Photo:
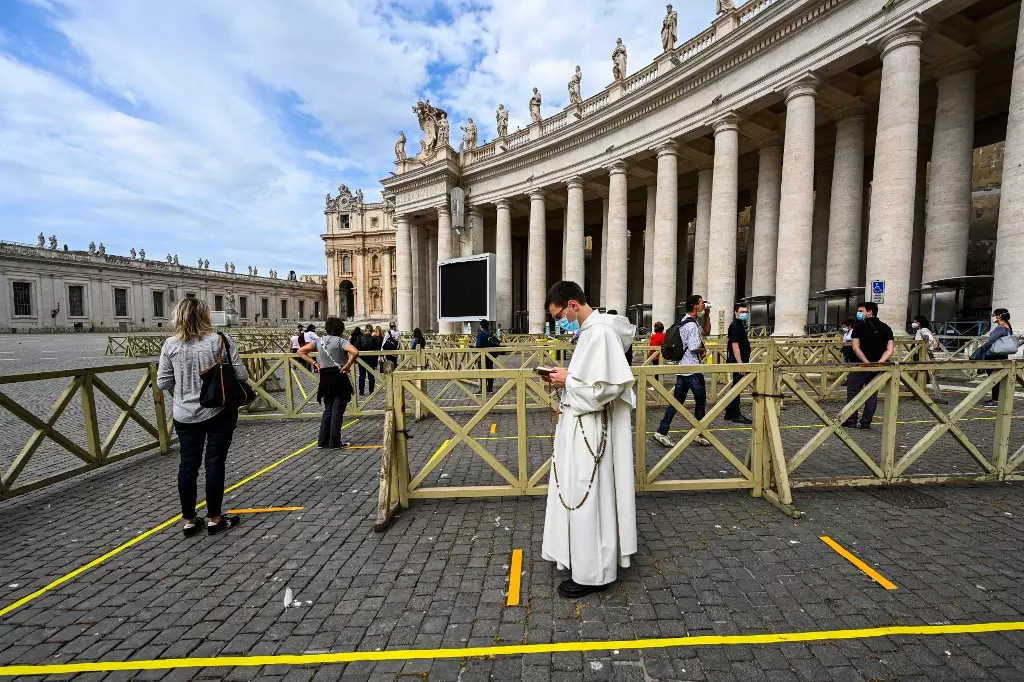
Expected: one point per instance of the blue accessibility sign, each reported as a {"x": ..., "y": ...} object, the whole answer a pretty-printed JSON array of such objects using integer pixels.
[{"x": 878, "y": 291}]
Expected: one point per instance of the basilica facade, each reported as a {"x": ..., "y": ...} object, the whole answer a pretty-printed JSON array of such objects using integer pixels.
[{"x": 799, "y": 154}]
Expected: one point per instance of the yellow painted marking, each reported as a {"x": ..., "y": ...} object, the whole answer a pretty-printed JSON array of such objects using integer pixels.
[
  {"x": 494, "y": 428},
  {"x": 871, "y": 573},
  {"x": 363, "y": 447},
  {"x": 514, "y": 574},
  {"x": 264, "y": 510},
  {"x": 438, "y": 452},
  {"x": 512, "y": 650},
  {"x": 139, "y": 538}
]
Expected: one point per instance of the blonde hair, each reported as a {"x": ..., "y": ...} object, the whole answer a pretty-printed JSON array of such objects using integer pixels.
[
  {"x": 379, "y": 330},
  {"x": 191, "y": 319}
]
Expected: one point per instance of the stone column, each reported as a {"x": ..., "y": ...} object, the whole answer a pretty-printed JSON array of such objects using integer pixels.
[
  {"x": 766, "y": 232},
  {"x": 948, "y": 216},
  {"x": 476, "y": 231},
  {"x": 575, "y": 241},
  {"x": 503, "y": 258},
  {"x": 819, "y": 229},
  {"x": 538, "y": 263},
  {"x": 724, "y": 197},
  {"x": 796, "y": 210},
  {"x": 445, "y": 247},
  {"x": 386, "y": 299},
  {"x": 666, "y": 223},
  {"x": 403, "y": 252},
  {"x": 895, "y": 174},
  {"x": 748, "y": 272},
  {"x": 1009, "y": 275},
  {"x": 635, "y": 292},
  {"x": 419, "y": 275},
  {"x": 431, "y": 271},
  {"x": 602, "y": 297},
  {"x": 702, "y": 230},
  {"x": 618, "y": 239},
  {"x": 652, "y": 208},
  {"x": 846, "y": 205}
]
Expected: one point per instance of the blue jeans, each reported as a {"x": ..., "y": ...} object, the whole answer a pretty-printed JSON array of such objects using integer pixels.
[
  {"x": 695, "y": 383},
  {"x": 215, "y": 433}
]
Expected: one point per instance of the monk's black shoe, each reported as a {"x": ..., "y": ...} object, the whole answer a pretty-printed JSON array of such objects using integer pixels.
[{"x": 573, "y": 590}]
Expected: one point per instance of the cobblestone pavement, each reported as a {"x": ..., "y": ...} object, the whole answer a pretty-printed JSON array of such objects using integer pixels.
[{"x": 709, "y": 564}]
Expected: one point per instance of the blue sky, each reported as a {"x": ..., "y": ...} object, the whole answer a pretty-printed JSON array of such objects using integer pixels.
[{"x": 213, "y": 129}]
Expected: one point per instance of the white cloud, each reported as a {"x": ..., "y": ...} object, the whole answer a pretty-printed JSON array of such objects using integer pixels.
[{"x": 214, "y": 129}]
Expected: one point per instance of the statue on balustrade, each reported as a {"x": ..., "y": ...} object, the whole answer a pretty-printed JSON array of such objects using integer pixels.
[
  {"x": 133, "y": 254},
  {"x": 619, "y": 60},
  {"x": 142, "y": 254},
  {"x": 444, "y": 131},
  {"x": 250, "y": 269},
  {"x": 169, "y": 259},
  {"x": 41, "y": 240},
  {"x": 502, "y": 118},
  {"x": 535, "y": 106},
  {"x": 200, "y": 266},
  {"x": 53, "y": 242},
  {"x": 469, "y": 136},
  {"x": 725, "y": 6},
  {"x": 575, "y": 99},
  {"x": 92, "y": 248},
  {"x": 206, "y": 264},
  {"x": 102, "y": 250},
  {"x": 176, "y": 259},
  {"x": 399, "y": 151},
  {"x": 669, "y": 29},
  {"x": 226, "y": 268},
  {"x": 428, "y": 117},
  {"x": 232, "y": 267}
]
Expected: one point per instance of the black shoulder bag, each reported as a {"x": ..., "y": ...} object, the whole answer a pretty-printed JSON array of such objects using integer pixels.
[{"x": 220, "y": 386}]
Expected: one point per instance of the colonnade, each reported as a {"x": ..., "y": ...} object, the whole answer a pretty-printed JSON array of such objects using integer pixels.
[{"x": 808, "y": 221}]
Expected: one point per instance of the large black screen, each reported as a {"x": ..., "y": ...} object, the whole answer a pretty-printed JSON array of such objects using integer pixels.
[{"x": 464, "y": 289}]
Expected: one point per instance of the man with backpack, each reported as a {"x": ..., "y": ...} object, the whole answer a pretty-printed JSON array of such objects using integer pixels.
[
  {"x": 391, "y": 338},
  {"x": 684, "y": 344},
  {"x": 485, "y": 339}
]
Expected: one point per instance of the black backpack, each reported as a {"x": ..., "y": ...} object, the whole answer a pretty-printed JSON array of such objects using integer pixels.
[
  {"x": 672, "y": 347},
  {"x": 389, "y": 343}
]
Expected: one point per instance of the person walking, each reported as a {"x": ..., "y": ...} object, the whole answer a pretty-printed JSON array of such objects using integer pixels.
[
  {"x": 296, "y": 339},
  {"x": 872, "y": 342},
  {"x": 335, "y": 389},
  {"x": 923, "y": 332},
  {"x": 485, "y": 339},
  {"x": 657, "y": 338},
  {"x": 193, "y": 349},
  {"x": 590, "y": 516},
  {"x": 691, "y": 333},
  {"x": 366, "y": 343},
  {"x": 991, "y": 351},
  {"x": 739, "y": 352},
  {"x": 309, "y": 334}
]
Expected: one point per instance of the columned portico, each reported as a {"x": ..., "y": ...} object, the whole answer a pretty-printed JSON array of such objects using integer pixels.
[
  {"x": 796, "y": 210},
  {"x": 536, "y": 289},
  {"x": 403, "y": 252},
  {"x": 666, "y": 218},
  {"x": 766, "y": 232},
  {"x": 891, "y": 226},
  {"x": 721, "y": 289},
  {"x": 503, "y": 258},
  {"x": 618, "y": 239}
]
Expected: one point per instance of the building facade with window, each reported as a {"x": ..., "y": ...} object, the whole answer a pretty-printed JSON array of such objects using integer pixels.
[
  {"x": 360, "y": 249},
  {"x": 78, "y": 290}
]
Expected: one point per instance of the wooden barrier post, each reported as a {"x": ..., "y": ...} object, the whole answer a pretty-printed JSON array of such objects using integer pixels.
[
  {"x": 1004, "y": 421},
  {"x": 92, "y": 427},
  {"x": 163, "y": 436}
]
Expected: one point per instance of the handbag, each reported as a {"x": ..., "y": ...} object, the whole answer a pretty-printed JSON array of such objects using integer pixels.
[
  {"x": 220, "y": 386},
  {"x": 1004, "y": 346}
]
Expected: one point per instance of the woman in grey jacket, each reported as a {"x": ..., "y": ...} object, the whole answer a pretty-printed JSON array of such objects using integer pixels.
[{"x": 184, "y": 356}]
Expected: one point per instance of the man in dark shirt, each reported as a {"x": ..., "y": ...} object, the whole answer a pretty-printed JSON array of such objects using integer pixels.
[
  {"x": 484, "y": 339},
  {"x": 739, "y": 351},
  {"x": 872, "y": 342}
]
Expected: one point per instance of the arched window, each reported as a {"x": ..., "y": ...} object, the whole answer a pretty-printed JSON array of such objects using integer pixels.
[{"x": 346, "y": 263}]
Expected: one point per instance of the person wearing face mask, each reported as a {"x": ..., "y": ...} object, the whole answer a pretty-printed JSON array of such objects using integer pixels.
[
  {"x": 991, "y": 351},
  {"x": 691, "y": 334},
  {"x": 739, "y": 351},
  {"x": 872, "y": 342},
  {"x": 590, "y": 518},
  {"x": 923, "y": 332}
]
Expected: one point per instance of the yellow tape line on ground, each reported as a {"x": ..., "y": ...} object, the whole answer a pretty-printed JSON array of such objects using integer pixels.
[
  {"x": 510, "y": 650},
  {"x": 515, "y": 573},
  {"x": 264, "y": 510},
  {"x": 139, "y": 538},
  {"x": 870, "y": 572}
]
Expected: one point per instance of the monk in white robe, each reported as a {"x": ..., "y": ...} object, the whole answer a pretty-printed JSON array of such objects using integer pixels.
[{"x": 590, "y": 522}]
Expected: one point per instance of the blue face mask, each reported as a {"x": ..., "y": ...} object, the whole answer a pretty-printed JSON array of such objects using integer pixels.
[
  {"x": 860, "y": 316},
  {"x": 743, "y": 317}
]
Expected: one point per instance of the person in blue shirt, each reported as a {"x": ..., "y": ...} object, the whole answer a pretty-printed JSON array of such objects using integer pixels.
[{"x": 484, "y": 339}]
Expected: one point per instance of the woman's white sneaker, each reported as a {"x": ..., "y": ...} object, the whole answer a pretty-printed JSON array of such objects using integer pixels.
[{"x": 661, "y": 439}]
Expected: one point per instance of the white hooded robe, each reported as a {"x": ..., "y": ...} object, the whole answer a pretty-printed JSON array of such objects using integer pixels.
[{"x": 594, "y": 540}]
